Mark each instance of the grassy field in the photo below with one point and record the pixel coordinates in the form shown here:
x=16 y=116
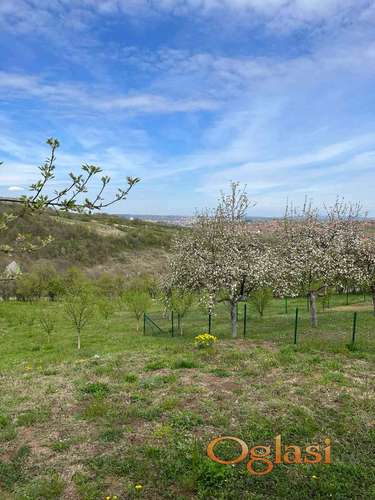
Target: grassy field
x=131 y=415
x=334 y=330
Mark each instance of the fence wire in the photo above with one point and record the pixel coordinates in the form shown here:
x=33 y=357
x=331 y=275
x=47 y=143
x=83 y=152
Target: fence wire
x=277 y=325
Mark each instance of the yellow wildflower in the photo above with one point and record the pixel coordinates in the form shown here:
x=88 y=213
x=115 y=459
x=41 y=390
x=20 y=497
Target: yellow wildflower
x=205 y=340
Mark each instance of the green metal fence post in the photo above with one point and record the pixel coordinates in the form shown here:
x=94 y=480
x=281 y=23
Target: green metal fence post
x=237 y=312
x=244 y=320
x=144 y=323
x=364 y=296
x=172 y=320
x=296 y=326
x=178 y=323
x=354 y=327
x=209 y=323
x=286 y=305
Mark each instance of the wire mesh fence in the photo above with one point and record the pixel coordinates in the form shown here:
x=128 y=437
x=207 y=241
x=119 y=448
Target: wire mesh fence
x=285 y=322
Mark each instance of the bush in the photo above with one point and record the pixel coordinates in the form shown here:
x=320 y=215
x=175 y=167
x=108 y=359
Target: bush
x=47 y=321
x=110 y=287
x=106 y=308
x=261 y=298
x=205 y=340
x=137 y=302
x=42 y=281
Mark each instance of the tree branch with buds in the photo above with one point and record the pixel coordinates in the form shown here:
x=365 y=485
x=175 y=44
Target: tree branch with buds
x=67 y=199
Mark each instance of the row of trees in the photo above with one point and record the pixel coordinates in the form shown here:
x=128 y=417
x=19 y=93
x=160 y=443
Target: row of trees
x=82 y=298
x=305 y=254
x=44 y=281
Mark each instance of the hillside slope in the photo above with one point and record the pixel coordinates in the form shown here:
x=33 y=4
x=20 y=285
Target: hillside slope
x=93 y=242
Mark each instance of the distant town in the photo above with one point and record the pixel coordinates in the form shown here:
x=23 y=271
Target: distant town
x=182 y=220
x=258 y=224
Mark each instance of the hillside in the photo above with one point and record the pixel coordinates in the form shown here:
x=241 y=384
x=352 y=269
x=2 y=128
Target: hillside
x=94 y=242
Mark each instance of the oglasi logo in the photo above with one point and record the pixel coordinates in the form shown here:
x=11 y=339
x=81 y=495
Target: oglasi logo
x=261 y=454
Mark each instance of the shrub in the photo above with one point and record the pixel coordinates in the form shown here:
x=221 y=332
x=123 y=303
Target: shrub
x=47 y=321
x=205 y=340
x=109 y=286
x=43 y=280
x=180 y=302
x=137 y=302
x=106 y=308
x=261 y=298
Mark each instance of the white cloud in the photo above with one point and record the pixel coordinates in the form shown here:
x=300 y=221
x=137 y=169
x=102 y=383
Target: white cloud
x=15 y=188
x=148 y=103
x=16 y=173
x=14 y=85
x=244 y=171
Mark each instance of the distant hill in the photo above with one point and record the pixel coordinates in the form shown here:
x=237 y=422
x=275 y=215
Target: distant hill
x=95 y=242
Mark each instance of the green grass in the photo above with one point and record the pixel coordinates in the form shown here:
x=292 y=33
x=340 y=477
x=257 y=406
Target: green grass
x=334 y=330
x=130 y=409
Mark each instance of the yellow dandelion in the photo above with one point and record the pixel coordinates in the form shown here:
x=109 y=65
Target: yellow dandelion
x=138 y=487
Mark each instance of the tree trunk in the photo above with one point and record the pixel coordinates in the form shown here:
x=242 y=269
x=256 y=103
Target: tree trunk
x=373 y=296
x=179 y=324
x=313 y=310
x=233 y=318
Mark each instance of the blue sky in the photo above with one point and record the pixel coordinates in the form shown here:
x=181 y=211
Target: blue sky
x=190 y=94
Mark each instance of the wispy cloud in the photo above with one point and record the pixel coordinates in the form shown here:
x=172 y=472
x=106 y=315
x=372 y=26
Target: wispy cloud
x=15 y=85
x=24 y=16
